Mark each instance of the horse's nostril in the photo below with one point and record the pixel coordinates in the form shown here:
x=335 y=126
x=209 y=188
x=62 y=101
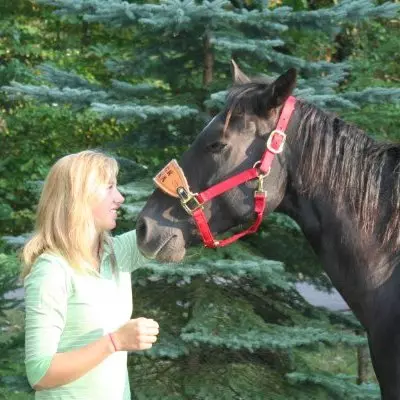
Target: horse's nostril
x=141 y=229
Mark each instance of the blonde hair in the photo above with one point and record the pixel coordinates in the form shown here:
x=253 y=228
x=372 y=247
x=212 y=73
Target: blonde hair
x=64 y=223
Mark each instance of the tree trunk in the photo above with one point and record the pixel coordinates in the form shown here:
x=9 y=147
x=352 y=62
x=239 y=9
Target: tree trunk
x=85 y=34
x=58 y=33
x=362 y=361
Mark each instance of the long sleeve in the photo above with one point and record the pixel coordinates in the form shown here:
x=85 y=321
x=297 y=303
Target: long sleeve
x=127 y=254
x=46 y=298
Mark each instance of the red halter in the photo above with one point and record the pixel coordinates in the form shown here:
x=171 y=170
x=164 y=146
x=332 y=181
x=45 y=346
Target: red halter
x=193 y=202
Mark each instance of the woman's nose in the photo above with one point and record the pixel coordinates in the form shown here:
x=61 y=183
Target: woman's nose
x=119 y=198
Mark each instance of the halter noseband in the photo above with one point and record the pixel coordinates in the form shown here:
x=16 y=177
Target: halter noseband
x=172 y=181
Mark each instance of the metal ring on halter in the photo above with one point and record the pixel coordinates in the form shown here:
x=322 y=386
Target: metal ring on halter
x=188 y=200
x=258 y=163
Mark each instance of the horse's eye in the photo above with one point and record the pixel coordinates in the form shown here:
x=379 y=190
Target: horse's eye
x=216 y=147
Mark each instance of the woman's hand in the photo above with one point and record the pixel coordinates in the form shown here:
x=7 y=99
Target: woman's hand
x=136 y=334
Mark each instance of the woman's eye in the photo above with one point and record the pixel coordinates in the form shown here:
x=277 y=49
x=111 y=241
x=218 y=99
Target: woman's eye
x=216 y=147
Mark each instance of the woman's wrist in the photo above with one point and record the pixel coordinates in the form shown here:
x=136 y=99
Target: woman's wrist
x=113 y=342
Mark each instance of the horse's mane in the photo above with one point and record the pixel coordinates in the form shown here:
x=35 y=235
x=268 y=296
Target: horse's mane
x=337 y=159
x=360 y=174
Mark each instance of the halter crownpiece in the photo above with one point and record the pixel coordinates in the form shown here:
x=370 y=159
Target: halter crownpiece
x=171 y=180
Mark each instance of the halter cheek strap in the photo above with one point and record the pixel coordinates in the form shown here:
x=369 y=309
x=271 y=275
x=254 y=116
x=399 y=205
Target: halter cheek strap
x=172 y=181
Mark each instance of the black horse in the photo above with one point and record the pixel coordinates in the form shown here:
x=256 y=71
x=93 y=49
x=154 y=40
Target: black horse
x=341 y=187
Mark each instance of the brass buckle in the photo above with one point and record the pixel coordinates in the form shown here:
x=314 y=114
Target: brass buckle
x=188 y=200
x=260 y=186
x=269 y=141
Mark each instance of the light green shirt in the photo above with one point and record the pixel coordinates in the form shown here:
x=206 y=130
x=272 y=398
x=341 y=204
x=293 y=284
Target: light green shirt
x=66 y=310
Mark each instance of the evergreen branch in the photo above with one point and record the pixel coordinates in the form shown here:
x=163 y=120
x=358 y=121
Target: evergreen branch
x=16 y=242
x=170 y=347
x=329 y=101
x=246 y=44
x=9 y=281
x=310 y=67
x=374 y=95
x=273 y=337
x=133 y=111
x=131 y=211
x=179 y=15
x=136 y=190
x=55 y=96
x=121 y=90
x=117 y=13
x=339 y=385
x=216 y=100
x=330 y=19
x=173 y=15
x=324 y=83
x=266 y=20
x=360 y=10
x=66 y=79
x=70 y=7
x=114 y=12
x=346 y=319
x=267 y=272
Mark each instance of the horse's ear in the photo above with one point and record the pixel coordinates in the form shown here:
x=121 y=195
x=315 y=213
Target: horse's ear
x=237 y=74
x=283 y=87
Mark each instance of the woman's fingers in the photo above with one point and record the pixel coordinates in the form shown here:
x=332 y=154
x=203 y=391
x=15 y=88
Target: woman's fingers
x=150 y=323
x=137 y=334
x=148 y=327
x=148 y=339
x=149 y=331
x=145 y=346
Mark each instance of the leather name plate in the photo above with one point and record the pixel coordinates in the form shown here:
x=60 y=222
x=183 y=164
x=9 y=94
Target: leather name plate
x=170 y=178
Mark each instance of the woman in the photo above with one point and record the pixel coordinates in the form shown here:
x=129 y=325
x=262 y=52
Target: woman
x=77 y=283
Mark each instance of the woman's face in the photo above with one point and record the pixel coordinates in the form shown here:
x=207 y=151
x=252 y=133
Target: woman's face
x=105 y=210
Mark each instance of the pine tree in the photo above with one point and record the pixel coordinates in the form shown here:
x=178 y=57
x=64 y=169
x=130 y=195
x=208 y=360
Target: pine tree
x=209 y=33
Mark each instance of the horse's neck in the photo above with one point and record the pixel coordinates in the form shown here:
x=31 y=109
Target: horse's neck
x=316 y=218
x=350 y=212
x=355 y=264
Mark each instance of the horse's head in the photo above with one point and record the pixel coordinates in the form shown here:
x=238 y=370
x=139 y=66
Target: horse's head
x=232 y=142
